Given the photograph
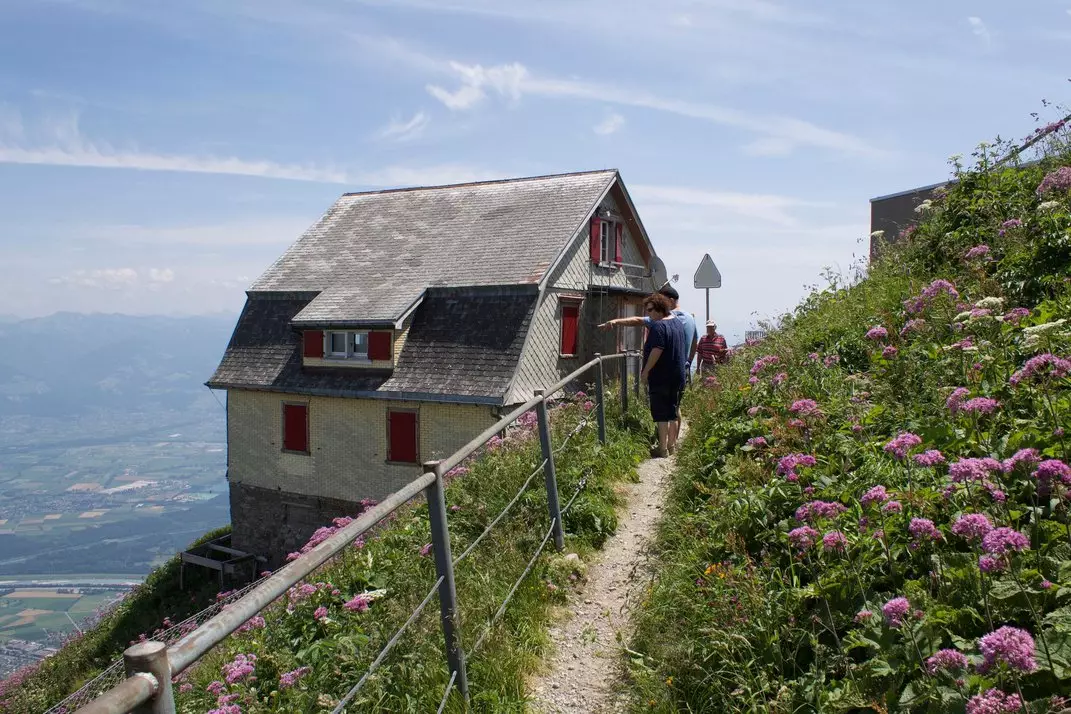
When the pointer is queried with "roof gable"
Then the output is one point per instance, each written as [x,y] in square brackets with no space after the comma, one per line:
[372,255]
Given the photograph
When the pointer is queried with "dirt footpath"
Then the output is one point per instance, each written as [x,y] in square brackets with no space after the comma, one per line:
[583,673]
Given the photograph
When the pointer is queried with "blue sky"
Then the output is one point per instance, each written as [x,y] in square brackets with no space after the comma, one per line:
[155,157]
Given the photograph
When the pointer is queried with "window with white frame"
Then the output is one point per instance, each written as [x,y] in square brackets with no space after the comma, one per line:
[607,242]
[347,345]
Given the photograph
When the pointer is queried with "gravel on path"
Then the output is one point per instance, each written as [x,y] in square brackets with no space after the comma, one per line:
[584,672]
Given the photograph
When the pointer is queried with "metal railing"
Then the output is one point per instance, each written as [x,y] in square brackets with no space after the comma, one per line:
[151,665]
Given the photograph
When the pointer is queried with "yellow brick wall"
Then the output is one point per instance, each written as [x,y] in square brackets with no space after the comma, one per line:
[347,443]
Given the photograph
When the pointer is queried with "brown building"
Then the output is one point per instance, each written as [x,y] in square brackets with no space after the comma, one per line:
[402,324]
[891,214]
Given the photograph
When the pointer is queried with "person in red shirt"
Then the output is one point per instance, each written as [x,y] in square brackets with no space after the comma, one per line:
[711,349]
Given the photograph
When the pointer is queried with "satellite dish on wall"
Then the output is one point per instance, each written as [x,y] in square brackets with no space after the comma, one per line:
[658,272]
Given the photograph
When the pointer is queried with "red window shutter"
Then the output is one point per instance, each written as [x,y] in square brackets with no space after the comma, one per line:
[570,318]
[379,345]
[402,434]
[296,427]
[619,232]
[314,343]
[596,239]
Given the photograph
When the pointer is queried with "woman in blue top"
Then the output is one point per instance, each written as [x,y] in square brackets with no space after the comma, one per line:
[664,359]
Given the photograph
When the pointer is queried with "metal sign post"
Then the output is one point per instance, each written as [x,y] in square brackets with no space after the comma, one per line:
[707,277]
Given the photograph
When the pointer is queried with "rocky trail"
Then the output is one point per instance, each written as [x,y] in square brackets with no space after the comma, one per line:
[583,673]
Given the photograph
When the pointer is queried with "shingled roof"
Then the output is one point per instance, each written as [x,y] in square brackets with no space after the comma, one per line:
[372,255]
[466,341]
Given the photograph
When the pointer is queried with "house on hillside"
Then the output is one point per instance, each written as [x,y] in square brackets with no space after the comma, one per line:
[405,322]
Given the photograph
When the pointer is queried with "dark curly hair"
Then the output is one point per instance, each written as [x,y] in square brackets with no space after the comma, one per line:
[658,302]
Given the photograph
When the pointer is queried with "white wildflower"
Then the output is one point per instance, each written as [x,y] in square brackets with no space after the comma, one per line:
[990,303]
[1031,341]
[1048,205]
[1043,328]
[962,317]
[924,207]
[877,235]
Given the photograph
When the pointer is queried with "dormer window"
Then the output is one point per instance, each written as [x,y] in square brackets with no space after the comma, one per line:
[347,345]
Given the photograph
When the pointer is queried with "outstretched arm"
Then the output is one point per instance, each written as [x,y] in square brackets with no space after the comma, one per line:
[622,322]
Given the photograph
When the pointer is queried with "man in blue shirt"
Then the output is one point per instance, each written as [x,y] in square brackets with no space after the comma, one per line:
[691,340]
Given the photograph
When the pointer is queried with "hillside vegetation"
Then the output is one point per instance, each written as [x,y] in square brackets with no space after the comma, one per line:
[305,652]
[871,512]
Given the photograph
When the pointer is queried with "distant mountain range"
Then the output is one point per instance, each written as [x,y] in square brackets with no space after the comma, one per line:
[69,363]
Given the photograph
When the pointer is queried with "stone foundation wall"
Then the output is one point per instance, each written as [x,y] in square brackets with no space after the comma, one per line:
[273,523]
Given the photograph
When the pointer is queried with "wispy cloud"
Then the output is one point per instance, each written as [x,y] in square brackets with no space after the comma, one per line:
[609,125]
[60,142]
[708,207]
[980,30]
[514,80]
[101,278]
[398,130]
[277,231]
[506,80]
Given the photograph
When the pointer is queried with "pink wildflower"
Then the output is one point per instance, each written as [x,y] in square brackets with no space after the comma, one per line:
[864,616]
[889,352]
[877,494]
[289,679]
[923,529]
[930,457]
[911,326]
[819,509]
[1015,315]
[1053,469]
[877,333]
[946,660]
[977,252]
[980,405]
[762,363]
[241,667]
[1022,457]
[359,603]
[226,709]
[215,688]
[1010,646]
[989,565]
[320,613]
[900,445]
[1058,180]
[778,378]
[754,411]
[1001,541]
[835,541]
[892,507]
[803,537]
[973,469]
[972,526]
[895,611]
[1042,366]
[425,549]
[805,407]
[994,701]
[756,441]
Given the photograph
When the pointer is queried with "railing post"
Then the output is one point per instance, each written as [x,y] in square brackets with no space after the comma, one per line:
[151,658]
[599,405]
[624,386]
[548,471]
[444,566]
[639,371]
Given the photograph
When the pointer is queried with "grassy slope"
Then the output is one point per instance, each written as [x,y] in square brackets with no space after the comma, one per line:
[738,619]
[338,649]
